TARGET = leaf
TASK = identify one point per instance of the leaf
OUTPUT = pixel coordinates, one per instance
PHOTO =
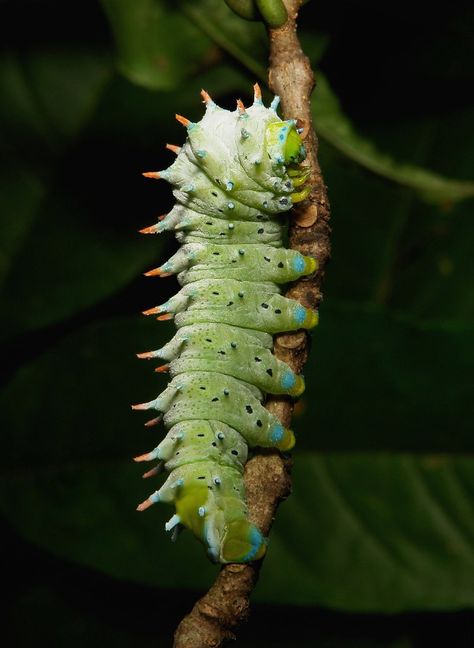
(247, 42)
(397, 323)
(83, 464)
(244, 41)
(58, 211)
(372, 383)
(92, 363)
(157, 47)
(394, 529)
(47, 99)
(85, 202)
(375, 532)
(393, 250)
(332, 125)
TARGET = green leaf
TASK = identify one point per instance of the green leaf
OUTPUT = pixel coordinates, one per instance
(47, 100)
(244, 8)
(91, 362)
(157, 47)
(364, 533)
(246, 42)
(83, 466)
(78, 200)
(333, 126)
(50, 97)
(393, 250)
(394, 529)
(397, 322)
(371, 383)
(375, 532)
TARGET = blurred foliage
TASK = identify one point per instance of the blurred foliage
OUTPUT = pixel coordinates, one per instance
(156, 47)
(381, 515)
(332, 125)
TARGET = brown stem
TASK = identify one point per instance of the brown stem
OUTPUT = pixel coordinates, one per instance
(217, 615)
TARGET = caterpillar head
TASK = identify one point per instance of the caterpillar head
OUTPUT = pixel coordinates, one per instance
(284, 143)
(244, 160)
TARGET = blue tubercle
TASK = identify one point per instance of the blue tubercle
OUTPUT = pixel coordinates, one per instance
(276, 435)
(299, 264)
(288, 381)
(300, 314)
(282, 134)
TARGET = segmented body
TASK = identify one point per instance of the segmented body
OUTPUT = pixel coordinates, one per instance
(235, 174)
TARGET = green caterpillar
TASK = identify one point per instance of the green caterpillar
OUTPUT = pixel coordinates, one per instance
(235, 174)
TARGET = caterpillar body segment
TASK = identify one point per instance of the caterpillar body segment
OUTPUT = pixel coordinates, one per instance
(234, 176)
(195, 261)
(244, 361)
(189, 337)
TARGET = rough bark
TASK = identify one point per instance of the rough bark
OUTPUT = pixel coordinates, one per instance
(216, 616)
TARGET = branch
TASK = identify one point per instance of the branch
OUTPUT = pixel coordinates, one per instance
(226, 605)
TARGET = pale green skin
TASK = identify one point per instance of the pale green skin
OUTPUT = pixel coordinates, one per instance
(247, 362)
(230, 183)
(194, 441)
(210, 395)
(246, 304)
(195, 261)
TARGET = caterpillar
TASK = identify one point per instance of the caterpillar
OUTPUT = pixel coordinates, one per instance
(233, 177)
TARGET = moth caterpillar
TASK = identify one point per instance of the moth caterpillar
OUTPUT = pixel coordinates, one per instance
(233, 177)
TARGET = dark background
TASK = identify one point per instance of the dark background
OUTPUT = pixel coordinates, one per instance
(389, 382)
